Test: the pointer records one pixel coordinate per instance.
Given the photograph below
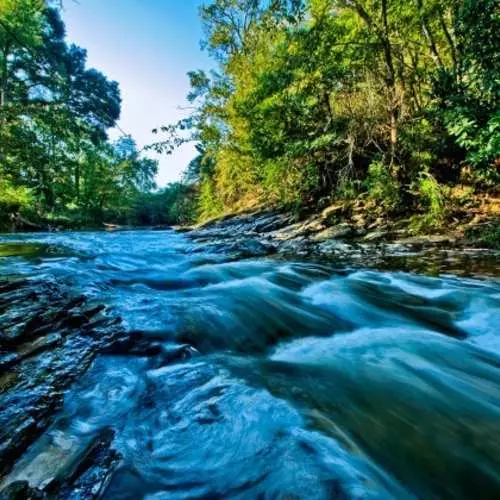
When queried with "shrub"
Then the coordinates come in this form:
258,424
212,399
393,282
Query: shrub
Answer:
287,181
209,204
382,187
433,198
13,197
432,195
486,236
349,189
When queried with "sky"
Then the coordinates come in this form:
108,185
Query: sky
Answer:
148,46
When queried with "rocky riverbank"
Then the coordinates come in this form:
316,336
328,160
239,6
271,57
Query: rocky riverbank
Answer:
333,234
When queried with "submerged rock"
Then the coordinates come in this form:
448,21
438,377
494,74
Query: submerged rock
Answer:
63,466
21,490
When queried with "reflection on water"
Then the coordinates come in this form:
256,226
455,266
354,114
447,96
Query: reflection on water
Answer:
273,379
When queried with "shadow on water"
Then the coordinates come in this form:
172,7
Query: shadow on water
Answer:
275,379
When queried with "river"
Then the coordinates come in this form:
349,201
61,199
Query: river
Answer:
271,378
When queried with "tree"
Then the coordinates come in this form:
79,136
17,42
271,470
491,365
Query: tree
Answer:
314,99
54,116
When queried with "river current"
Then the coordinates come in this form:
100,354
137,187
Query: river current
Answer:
276,379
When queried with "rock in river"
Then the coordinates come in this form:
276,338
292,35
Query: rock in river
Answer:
46,343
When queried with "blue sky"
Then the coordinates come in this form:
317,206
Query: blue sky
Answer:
148,46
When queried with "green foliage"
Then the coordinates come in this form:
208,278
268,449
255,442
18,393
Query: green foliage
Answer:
433,198
481,142
54,117
209,205
306,98
470,97
309,95
349,189
12,197
175,204
485,236
382,188
432,195
13,200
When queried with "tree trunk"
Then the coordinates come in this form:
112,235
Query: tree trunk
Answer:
390,81
424,23
77,183
383,34
453,48
4,79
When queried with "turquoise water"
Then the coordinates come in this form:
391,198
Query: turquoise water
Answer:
265,378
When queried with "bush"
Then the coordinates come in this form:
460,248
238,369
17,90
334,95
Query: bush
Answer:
349,189
209,204
432,195
382,187
288,182
434,200
487,236
12,197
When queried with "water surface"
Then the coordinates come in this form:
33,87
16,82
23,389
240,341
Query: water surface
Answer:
265,378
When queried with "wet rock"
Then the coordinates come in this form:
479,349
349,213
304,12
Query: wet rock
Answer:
21,490
332,213
271,223
251,248
377,236
142,345
9,359
428,240
335,248
314,225
94,479
63,466
381,243
85,470
211,246
135,344
182,229
289,232
341,231
241,225
44,347
298,246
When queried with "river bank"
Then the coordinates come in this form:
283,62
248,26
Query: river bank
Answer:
340,233
49,337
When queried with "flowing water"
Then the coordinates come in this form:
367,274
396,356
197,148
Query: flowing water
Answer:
265,378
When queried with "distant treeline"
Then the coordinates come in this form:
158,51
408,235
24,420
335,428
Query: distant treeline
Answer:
57,166
394,101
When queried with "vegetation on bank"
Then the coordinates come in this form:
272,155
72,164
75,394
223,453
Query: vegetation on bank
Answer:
394,102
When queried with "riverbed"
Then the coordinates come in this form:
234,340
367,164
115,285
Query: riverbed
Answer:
268,377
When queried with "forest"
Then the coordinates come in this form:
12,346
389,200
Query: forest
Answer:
394,103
